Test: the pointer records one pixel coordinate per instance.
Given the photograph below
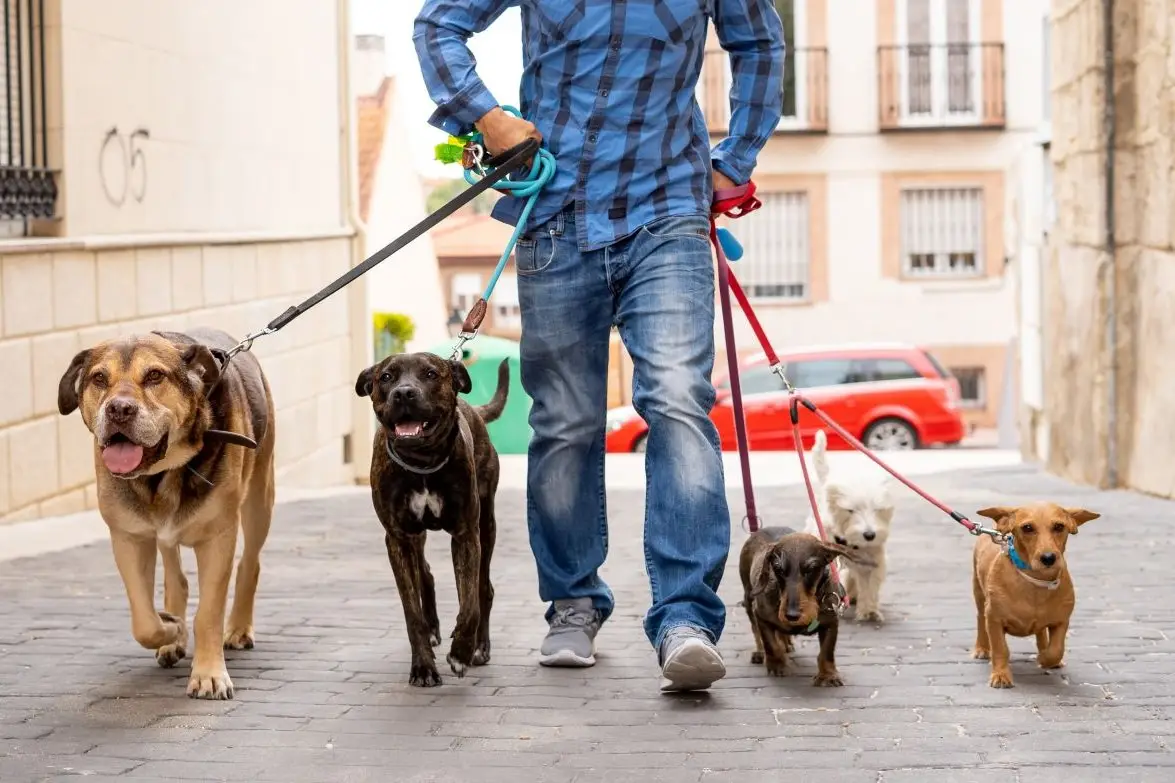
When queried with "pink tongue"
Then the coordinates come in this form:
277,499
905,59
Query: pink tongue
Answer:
122,457
408,429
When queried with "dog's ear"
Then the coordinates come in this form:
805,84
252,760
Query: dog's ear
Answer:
365,382
831,550
1001,515
1078,517
763,577
203,364
69,388
462,384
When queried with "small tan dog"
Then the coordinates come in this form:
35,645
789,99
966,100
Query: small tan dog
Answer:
1024,588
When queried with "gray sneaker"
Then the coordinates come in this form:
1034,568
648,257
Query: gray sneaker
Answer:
689,660
572,638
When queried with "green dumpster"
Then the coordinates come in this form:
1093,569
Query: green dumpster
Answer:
510,434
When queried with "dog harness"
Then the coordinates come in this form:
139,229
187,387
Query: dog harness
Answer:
1022,567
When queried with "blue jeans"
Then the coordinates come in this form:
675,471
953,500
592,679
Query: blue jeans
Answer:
657,286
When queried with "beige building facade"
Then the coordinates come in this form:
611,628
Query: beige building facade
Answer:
885,186
1107,409
203,167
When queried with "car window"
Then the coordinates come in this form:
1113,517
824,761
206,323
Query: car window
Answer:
820,372
888,369
936,364
757,380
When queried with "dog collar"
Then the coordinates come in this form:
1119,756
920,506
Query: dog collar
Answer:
394,457
1022,567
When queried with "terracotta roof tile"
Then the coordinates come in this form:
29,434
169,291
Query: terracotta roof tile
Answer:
372,127
471,236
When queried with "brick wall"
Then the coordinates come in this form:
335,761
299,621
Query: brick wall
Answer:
56,303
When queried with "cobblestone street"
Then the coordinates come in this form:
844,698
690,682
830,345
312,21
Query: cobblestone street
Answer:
324,696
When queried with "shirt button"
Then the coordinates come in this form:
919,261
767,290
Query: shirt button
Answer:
603,93
592,138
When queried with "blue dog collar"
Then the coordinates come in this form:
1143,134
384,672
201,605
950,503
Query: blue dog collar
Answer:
1014,556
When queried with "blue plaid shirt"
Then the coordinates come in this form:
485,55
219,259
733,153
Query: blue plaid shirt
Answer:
611,86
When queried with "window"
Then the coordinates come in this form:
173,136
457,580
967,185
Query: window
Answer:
27,188
810,373
942,232
972,386
941,65
787,14
507,313
777,250
464,291
888,369
756,380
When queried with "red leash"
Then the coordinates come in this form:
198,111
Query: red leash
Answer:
734,203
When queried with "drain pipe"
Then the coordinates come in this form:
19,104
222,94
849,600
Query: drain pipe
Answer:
1109,118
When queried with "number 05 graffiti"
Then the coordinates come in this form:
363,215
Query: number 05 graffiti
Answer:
121,153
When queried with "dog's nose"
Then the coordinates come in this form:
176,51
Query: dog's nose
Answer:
869,535
404,394
120,410
1048,558
793,615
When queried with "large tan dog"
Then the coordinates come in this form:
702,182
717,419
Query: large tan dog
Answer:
1026,589
183,456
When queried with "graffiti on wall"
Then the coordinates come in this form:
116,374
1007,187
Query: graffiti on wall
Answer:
122,165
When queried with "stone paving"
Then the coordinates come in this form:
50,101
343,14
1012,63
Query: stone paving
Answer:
324,695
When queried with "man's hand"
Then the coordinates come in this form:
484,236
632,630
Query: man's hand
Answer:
722,182
502,131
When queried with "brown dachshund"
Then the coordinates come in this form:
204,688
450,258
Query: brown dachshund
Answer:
788,590
1023,588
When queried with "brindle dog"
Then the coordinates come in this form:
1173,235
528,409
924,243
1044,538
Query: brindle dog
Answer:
184,456
433,468
788,591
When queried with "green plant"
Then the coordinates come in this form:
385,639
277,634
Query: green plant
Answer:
392,333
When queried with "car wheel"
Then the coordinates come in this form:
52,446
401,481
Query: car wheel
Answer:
890,435
638,447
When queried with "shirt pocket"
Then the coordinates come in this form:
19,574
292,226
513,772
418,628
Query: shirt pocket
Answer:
672,21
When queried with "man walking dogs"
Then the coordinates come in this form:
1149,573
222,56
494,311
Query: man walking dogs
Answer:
619,237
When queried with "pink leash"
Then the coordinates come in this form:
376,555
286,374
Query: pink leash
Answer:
734,203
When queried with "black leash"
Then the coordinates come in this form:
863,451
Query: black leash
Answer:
504,165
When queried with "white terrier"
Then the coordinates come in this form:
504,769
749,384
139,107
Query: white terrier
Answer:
856,512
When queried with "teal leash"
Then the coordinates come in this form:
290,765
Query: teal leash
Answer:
530,187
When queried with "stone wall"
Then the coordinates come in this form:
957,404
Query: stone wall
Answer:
1077,363
53,304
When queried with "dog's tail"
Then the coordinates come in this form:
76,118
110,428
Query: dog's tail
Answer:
493,409
819,459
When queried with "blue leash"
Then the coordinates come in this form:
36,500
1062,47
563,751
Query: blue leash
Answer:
542,169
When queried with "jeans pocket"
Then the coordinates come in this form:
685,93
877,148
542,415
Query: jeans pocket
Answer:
536,251
678,226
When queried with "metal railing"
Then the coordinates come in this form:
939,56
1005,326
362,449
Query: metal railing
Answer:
955,85
27,186
805,90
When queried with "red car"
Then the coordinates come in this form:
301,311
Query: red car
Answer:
889,396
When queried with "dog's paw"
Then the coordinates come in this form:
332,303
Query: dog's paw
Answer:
434,637
828,680
210,684
481,656
239,639
871,616
458,666
776,668
980,654
169,655
1001,680
757,657
424,676
1050,663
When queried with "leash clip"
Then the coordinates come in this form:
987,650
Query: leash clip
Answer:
472,157
780,369
246,344
462,339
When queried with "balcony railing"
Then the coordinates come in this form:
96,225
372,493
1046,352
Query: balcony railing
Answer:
932,86
805,91
27,187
